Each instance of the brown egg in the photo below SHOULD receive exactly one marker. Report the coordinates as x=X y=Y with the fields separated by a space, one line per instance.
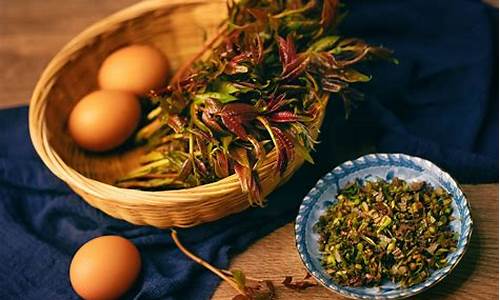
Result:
x=137 y=69
x=103 y=120
x=104 y=268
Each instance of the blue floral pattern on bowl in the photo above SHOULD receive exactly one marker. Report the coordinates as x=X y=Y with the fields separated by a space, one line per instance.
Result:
x=372 y=167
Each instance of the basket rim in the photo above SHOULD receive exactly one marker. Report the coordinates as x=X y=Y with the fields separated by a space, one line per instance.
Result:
x=37 y=124
x=39 y=132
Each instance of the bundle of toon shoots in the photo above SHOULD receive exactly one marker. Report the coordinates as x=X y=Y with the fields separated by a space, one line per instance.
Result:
x=257 y=86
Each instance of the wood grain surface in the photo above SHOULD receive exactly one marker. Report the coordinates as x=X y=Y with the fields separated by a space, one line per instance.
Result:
x=32 y=31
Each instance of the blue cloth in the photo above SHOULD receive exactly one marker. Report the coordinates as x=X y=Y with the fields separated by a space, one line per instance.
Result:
x=439 y=103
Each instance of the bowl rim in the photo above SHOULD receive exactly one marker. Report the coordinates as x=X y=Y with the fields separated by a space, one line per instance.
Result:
x=314 y=195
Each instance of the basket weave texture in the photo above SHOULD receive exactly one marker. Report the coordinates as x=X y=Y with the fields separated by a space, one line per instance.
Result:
x=178 y=29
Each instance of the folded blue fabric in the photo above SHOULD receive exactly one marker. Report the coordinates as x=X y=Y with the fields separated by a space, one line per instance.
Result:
x=440 y=103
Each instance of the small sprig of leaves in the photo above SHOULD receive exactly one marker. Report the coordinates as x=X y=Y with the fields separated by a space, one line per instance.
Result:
x=381 y=230
x=254 y=289
x=248 y=288
x=257 y=86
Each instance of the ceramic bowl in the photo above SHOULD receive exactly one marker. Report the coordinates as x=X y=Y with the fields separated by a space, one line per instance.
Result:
x=371 y=167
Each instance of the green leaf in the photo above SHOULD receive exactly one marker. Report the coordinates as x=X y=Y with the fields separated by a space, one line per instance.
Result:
x=224 y=87
x=303 y=152
x=222 y=91
x=324 y=44
x=383 y=53
x=226 y=141
x=150 y=157
x=288 y=12
x=301 y=26
x=196 y=120
x=351 y=75
x=224 y=98
x=239 y=277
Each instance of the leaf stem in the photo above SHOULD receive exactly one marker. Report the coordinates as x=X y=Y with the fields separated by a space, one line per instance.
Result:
x=200 y=261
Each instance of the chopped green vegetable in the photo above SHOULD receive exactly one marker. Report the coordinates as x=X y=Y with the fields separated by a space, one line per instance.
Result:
x=381 y=230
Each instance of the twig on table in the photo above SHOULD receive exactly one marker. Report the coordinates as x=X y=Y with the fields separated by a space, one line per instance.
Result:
x=215 y=270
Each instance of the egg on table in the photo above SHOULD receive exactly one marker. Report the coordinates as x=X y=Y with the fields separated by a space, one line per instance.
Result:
x=104 y=119
x=104 y=268
x=137 y=69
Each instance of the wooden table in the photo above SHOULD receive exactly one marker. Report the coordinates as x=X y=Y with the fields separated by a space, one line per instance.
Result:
x=32 y=31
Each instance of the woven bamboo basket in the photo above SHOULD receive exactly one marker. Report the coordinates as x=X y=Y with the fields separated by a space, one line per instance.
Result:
x=178 y=28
